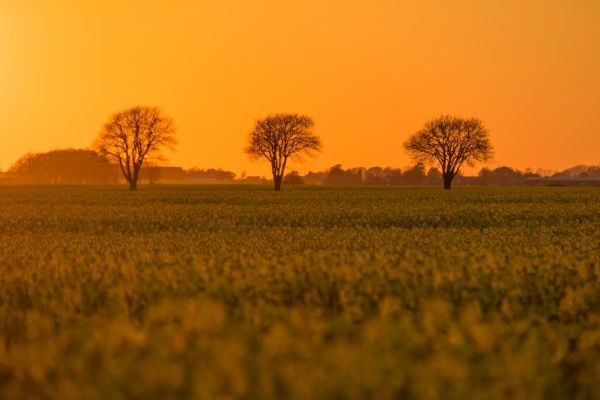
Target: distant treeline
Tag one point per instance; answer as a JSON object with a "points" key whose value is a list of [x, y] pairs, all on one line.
{"points": [[419, 175], [83, 166], [71, 166]]}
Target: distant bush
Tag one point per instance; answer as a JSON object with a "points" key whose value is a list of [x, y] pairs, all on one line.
{"points": [[293, 178]]}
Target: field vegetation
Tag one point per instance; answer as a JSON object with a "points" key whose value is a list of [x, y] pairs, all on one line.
{"points": [[240, 292]]}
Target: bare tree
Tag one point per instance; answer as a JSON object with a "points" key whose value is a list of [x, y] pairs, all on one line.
{"points": [[135, 136], [452, 142], [280, 137]]}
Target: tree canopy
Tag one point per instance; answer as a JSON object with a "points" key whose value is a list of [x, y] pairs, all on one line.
{"points": [[279, 137], [134, 136], [452, 142]]}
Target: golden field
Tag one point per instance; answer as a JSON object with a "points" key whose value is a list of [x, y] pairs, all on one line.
{"points": [[237, 292]]}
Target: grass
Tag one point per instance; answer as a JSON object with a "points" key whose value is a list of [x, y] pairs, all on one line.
{"points": [[312, 293]]}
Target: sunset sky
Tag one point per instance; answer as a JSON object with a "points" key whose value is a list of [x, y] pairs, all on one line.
{"points": [[370, 73]]}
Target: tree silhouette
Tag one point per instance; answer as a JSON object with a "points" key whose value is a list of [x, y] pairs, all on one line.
{"points": [[280, 137], [452, 142], [135, 136]]}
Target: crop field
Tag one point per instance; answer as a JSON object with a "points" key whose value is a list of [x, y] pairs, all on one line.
{"points": [[238, 292]]}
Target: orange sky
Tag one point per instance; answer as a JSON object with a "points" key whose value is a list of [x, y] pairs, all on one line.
{"points": [[370, 72]]}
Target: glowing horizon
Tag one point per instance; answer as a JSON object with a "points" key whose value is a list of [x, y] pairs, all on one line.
{"points": [[370, 73]]}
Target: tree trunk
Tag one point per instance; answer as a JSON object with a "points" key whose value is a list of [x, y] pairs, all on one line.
{"points": [[132, 185], [277, 181], [448, 181]]}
